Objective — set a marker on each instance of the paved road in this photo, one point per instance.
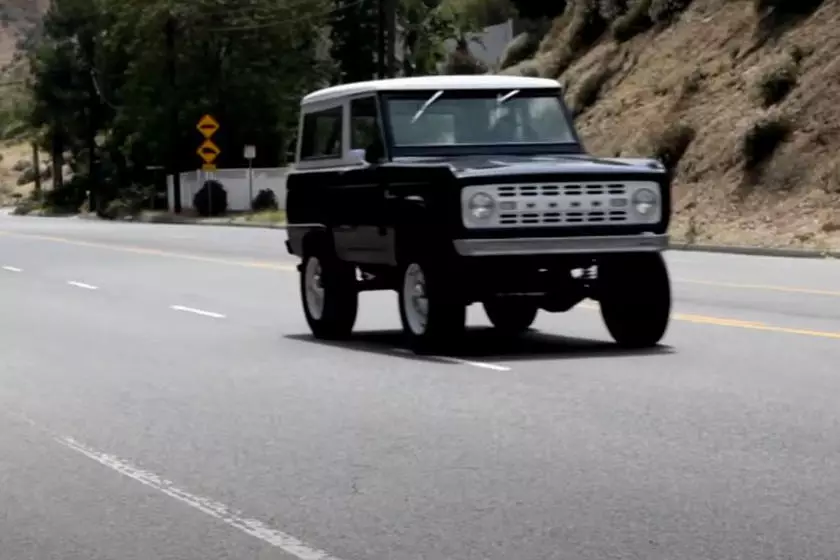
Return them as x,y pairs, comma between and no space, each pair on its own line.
160,398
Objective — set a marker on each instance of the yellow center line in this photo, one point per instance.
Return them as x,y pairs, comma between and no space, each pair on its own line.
764,287
737,323
157,252
698,319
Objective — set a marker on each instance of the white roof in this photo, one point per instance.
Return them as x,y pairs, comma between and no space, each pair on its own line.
471,81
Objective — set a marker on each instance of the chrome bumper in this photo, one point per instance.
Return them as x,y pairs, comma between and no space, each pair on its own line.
561,245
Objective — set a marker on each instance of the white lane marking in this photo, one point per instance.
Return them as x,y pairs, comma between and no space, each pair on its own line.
82,285
459,361
237,520
483,365
197,311
12,269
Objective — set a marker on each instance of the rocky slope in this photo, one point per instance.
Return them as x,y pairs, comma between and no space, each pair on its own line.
743,102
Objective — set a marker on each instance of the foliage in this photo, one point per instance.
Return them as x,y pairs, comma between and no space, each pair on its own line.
354,28
265,200
102,90
663,12
634,21
538,9
762,138
776,80
211,199
670,146
428,25
590,87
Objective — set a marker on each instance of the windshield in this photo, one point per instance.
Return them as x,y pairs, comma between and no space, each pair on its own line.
455,119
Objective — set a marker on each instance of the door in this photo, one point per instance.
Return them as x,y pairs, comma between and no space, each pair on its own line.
365,238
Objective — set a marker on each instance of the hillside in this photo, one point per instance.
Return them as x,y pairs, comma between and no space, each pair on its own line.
746,107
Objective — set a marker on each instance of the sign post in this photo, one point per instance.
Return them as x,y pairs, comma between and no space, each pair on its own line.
208,151
250,154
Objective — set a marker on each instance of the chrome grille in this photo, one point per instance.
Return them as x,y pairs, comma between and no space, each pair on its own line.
560,204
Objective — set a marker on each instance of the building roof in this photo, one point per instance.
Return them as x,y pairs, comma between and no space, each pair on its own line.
473,81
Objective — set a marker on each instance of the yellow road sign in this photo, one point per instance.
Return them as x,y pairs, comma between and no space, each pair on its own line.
208,167
207,126
208,151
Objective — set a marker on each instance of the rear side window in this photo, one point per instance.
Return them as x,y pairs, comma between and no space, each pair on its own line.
322,134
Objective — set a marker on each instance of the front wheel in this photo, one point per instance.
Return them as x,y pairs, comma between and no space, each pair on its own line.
635,298
510,315
329,296
433,318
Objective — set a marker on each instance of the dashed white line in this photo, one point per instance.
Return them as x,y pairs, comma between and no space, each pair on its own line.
237,520
197,311
459,361
482,365
12,269
82,285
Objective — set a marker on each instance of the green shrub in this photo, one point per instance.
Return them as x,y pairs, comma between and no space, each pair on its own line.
634,22
522,47
611,9
670,146
762,139
590,88
265,200
664,11
584,28
787,7
211,199
776,81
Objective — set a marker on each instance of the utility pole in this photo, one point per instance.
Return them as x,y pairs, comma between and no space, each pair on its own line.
391,36
174,170
89,47
381,44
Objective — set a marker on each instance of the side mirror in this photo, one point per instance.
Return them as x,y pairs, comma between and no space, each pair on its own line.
374,153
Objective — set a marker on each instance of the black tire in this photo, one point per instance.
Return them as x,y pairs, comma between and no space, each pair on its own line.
446,314
635,298
340,297
510,315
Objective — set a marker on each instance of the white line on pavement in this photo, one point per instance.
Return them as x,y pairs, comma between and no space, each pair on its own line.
235,519
82,285
12,269
459,361
197,311
483,365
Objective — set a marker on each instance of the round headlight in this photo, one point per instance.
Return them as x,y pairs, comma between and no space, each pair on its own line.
481,206
644,200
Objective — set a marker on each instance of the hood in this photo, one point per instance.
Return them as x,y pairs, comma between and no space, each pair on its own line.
490,166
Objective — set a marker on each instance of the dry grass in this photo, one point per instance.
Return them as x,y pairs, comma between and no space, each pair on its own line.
705,72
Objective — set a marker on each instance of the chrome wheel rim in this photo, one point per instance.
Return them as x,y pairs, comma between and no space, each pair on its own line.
314,288
415,302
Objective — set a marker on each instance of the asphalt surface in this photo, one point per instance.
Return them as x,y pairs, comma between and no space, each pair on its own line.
160,397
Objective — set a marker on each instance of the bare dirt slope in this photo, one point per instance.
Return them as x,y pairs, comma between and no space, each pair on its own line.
756,116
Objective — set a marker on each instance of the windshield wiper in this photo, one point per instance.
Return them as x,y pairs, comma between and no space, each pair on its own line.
425,106
502,98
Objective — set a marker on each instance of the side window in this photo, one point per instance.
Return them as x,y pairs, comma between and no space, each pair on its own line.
322,134
364,125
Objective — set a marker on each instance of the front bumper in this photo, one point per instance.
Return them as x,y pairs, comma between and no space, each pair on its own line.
644,243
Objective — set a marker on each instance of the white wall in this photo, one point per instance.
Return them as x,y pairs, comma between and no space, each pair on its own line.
235,182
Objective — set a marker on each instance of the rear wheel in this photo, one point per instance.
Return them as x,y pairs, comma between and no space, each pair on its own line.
433,318
635,298
329,295
510,315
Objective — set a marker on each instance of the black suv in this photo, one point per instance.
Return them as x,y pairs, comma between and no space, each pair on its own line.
453,190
